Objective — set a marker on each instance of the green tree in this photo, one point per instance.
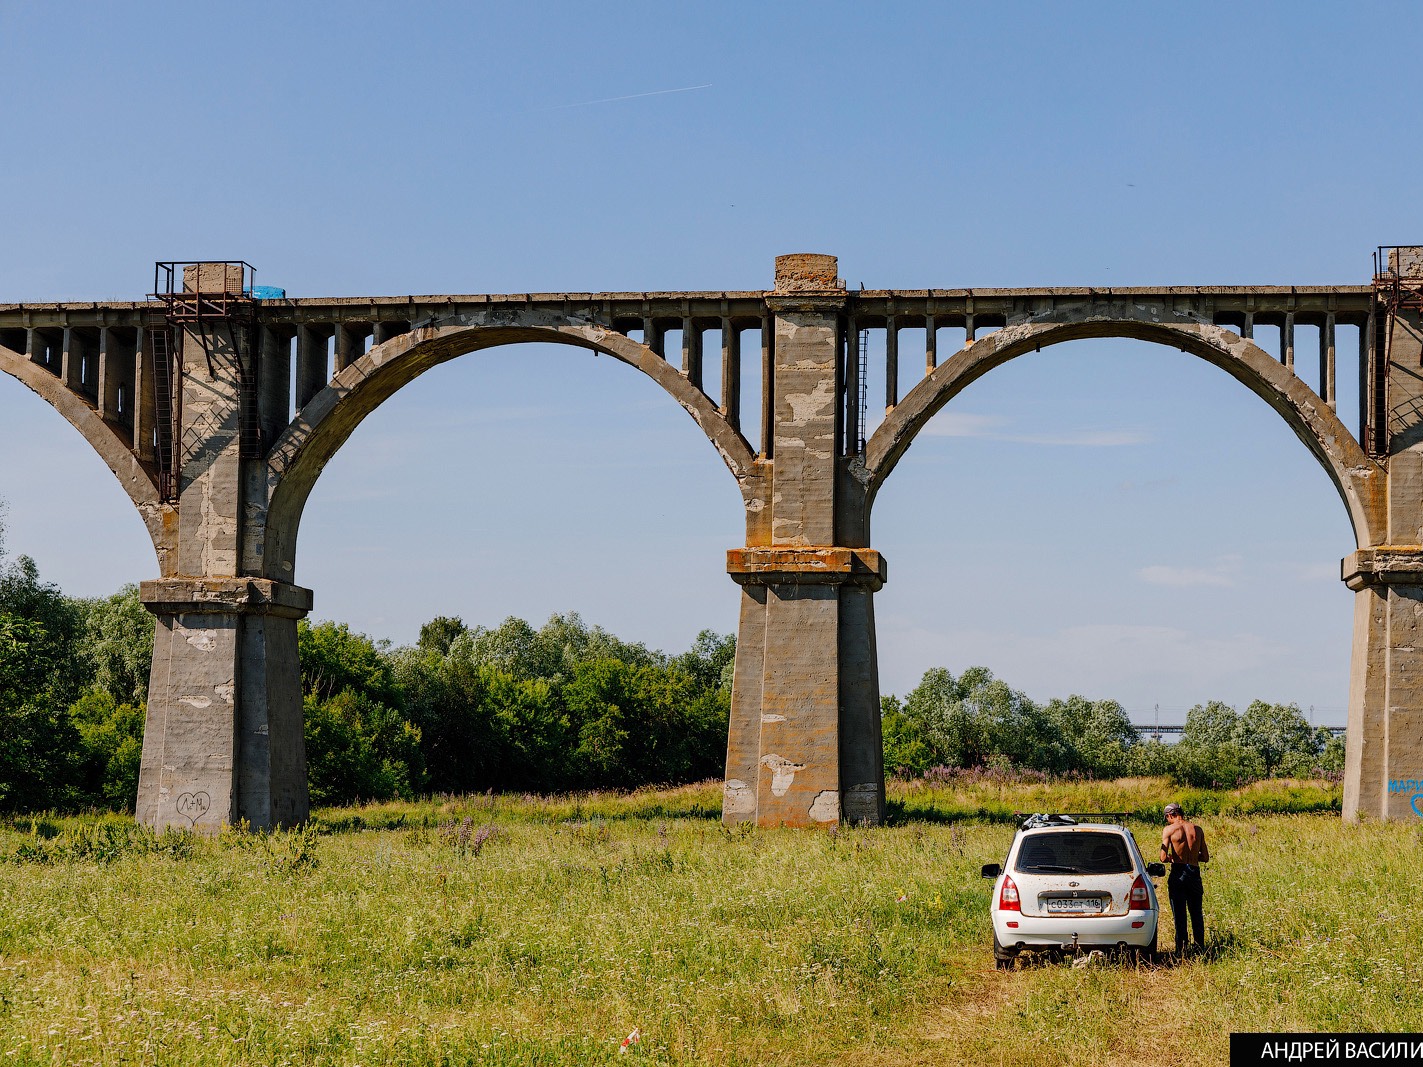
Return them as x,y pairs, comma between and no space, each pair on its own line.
1212,752
1098,734
969,720
334,659
359,749
552,651
1281,736
642,723
1331,754
463,710
709,661
110,748
439,633
116,645
40,676
906,747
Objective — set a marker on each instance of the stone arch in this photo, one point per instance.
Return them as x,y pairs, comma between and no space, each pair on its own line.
1359,479
329,418
137,478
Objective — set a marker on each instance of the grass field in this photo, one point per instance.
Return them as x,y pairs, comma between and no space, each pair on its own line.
504,930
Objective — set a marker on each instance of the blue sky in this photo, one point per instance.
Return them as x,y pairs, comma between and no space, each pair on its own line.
1103,517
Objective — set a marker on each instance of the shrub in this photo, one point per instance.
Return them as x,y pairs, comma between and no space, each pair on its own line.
359,749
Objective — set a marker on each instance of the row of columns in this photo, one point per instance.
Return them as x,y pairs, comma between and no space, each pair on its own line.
109,366
693,330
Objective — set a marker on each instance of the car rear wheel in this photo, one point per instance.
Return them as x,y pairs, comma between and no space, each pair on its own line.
1002,957
1148,954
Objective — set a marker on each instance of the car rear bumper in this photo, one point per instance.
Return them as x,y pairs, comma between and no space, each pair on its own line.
1056,931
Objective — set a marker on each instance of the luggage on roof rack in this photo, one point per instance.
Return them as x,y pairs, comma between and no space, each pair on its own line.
1066,818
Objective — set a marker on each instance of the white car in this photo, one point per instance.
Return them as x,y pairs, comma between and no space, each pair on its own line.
1071,886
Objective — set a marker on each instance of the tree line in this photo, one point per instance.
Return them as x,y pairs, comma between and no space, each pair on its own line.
466,709
977,720
566,706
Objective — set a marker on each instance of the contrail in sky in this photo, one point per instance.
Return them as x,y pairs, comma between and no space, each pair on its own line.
634,96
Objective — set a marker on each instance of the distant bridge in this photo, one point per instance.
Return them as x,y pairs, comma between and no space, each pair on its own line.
1147,729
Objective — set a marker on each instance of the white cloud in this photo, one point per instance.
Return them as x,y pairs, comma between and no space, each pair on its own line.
962,424
1164,574
997,428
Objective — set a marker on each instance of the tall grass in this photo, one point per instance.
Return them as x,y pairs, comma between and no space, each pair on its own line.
387,935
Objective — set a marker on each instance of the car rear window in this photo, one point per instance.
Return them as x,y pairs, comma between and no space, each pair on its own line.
1072,852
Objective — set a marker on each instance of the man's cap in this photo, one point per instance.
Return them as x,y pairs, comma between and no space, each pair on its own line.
1173,809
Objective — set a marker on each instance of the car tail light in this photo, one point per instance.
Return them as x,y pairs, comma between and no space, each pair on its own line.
1008,896
1140,899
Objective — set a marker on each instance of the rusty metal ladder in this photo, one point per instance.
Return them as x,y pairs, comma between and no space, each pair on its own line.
167,408
863,345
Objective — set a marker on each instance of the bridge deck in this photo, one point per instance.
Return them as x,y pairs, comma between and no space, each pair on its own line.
1265,297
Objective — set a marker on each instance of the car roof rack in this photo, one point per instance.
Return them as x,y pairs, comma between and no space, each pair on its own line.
1038,820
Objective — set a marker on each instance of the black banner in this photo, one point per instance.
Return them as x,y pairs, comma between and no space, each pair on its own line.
1386,1050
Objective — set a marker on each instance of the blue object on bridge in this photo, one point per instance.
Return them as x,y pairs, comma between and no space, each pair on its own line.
266,292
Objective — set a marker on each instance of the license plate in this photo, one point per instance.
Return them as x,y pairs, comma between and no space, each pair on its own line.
1075,905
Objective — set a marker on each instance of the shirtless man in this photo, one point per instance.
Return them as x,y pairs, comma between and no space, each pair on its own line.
1183,845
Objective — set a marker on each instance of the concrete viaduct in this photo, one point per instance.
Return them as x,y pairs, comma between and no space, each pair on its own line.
217,409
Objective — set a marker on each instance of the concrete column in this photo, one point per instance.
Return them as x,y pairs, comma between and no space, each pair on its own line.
311,363
223,740
36,348
861,739
144,420
1368,708
743,745
1386,683
274,405
1327,387
731,373
1287,342
1366,384
346,348
804,745
806,381
931,345
115,365
72,361
852,387
891,365
768,387
692,352
210,498
1385,738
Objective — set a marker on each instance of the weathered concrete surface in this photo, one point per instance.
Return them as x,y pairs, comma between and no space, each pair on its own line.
805,649
210,500
743,745
804,744
223,739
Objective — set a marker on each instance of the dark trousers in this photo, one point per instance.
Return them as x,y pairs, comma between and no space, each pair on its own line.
1185,889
